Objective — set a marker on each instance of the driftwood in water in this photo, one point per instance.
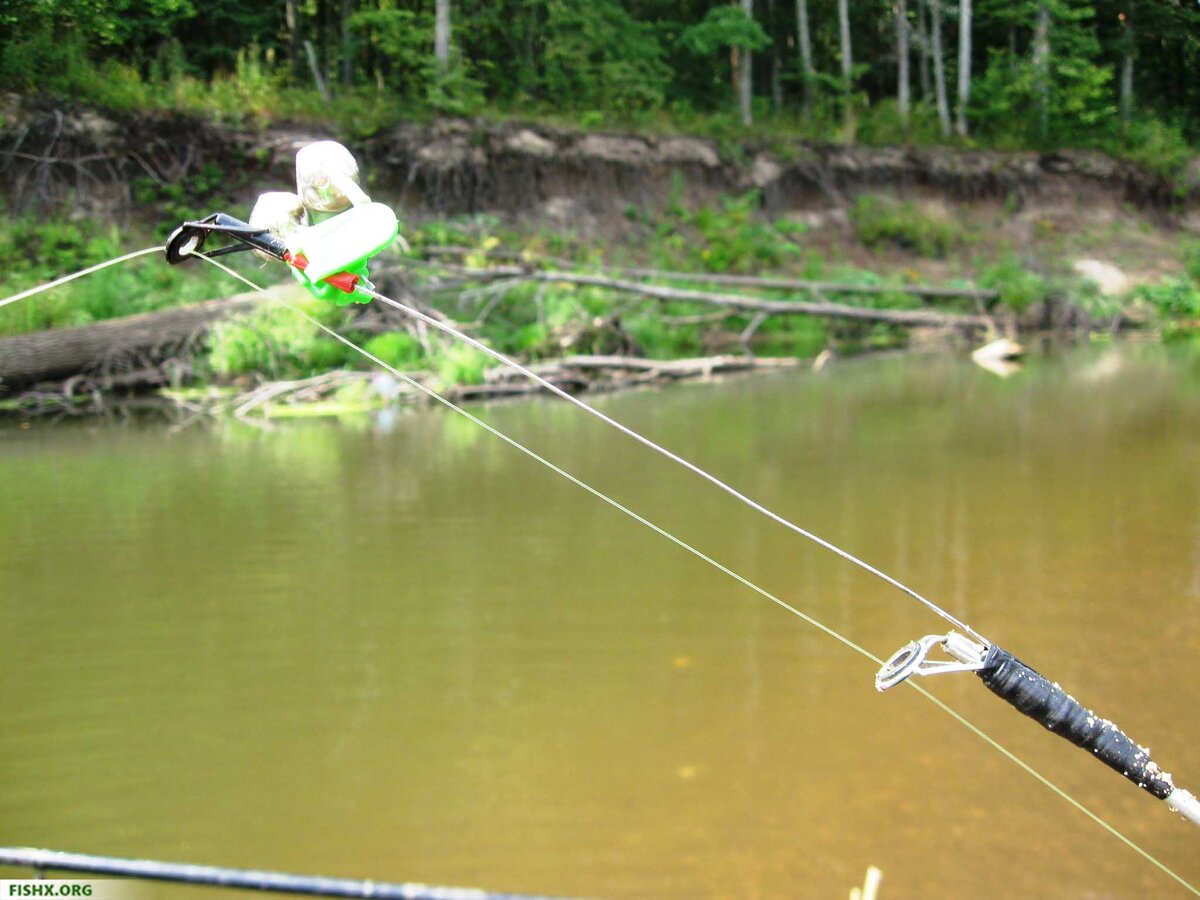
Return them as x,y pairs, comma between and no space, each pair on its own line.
750,281
587,372
132,343
822,307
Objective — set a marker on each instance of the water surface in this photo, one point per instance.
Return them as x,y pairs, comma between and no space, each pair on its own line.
402,650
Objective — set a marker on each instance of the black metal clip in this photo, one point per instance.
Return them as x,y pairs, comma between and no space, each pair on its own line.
188,239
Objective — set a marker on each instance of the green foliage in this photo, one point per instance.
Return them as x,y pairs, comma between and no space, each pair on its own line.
37,252
879,220
459,364
1062,99
1177,300
1156,146
722,27
43,61
1177,303
731,237
604,63
398,349
277,343
1191,259
598,57
1019,288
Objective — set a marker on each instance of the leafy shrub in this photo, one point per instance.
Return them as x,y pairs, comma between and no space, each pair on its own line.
731,237
1019,288
1156,146
1191,260
36,252
1178,298
460,364
398,349
879,221
276,342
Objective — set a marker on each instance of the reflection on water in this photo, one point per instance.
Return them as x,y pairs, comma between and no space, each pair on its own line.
402,650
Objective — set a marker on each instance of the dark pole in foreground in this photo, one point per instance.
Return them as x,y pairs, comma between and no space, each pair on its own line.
242,879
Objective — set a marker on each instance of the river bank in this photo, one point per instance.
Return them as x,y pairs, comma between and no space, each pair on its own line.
546,243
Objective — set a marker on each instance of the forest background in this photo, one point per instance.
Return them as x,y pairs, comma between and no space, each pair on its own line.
1121,77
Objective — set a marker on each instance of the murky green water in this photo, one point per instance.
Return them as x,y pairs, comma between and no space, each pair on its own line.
410,653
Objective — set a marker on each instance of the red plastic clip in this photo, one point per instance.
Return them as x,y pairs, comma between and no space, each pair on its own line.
343,281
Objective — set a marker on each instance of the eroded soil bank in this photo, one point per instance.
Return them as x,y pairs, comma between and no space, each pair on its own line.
70,159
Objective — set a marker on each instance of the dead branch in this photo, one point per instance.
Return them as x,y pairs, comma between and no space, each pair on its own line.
822,308
612,366
751,281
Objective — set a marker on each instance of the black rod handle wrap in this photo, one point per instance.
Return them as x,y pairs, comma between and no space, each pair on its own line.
1033,694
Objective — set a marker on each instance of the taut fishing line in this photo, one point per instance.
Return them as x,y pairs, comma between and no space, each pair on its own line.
679,542
88,271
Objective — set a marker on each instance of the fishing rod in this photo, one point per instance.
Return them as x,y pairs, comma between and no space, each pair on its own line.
331,260
352,230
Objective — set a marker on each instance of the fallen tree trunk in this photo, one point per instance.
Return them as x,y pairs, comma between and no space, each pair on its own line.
752,281
822,308
674,368
587,372
133,342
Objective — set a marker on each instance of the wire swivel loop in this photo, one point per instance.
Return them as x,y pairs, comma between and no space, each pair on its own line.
911,659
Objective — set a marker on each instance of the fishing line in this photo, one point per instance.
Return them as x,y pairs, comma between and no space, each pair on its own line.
88,271
674,457
721,567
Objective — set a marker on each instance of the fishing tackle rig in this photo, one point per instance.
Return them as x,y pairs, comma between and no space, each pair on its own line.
328,232
327,181
330,258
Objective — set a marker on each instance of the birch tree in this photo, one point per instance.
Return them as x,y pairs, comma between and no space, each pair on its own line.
1041,62
964,65
923,50
806,62
746,73
939,66
902,98
776,81
1127,34
847,59
347,44
441,36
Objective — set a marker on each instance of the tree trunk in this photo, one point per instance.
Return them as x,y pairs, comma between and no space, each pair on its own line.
1041,63
292,23
902,60
1127,69
347,44
746,73
806,63
939,67
315,67
847,59
141,341
923,51
964,65
776,81
441,36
